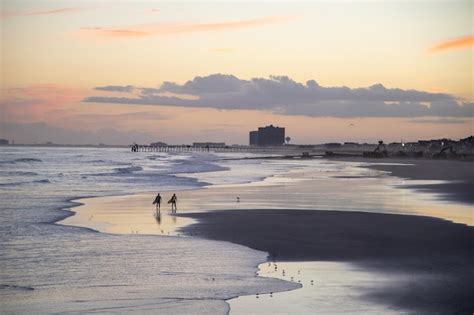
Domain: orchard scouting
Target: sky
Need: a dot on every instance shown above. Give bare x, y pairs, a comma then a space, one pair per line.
118, 72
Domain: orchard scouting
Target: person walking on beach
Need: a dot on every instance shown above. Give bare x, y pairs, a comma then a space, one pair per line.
157, 202
173, 201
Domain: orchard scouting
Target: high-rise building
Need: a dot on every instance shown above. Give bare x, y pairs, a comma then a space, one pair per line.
268, 135
253, 138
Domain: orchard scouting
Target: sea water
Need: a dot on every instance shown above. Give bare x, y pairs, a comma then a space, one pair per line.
51, 268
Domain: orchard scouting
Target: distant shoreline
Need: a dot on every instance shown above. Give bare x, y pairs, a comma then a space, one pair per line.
64, 145
295, 150
458, 176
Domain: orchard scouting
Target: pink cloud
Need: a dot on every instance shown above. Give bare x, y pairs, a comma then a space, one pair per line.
156, 29
34, 102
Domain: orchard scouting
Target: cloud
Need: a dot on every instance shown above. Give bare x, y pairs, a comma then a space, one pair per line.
96, 119
49, 95
457, 43
282, 95
448, 121
54, 11
6, 14
116, 88
36, 101
157, 29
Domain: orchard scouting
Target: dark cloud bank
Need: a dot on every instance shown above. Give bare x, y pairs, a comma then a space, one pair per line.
282, 95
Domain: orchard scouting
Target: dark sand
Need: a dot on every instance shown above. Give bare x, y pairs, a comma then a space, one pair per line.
438, 253
460, 172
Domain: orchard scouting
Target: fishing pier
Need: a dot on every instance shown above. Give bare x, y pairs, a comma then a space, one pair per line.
190, 148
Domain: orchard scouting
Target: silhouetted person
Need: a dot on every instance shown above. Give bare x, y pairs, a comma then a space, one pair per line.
157, 202
173, 201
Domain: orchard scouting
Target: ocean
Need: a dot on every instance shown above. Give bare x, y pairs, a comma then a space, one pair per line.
52, 268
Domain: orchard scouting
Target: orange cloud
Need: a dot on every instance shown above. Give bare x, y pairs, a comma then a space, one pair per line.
458, 43
176, 28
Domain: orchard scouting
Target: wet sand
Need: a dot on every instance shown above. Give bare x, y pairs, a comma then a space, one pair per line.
385, 262
326, 288
327, 186
434, 257
460, 173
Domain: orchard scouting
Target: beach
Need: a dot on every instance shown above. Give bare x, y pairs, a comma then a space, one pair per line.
457, 177
412, 250
432, 256
82, 223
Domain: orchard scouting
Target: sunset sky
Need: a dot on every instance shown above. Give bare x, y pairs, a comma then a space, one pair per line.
178, 72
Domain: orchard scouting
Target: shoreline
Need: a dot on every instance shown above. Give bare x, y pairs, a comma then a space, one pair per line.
438, 251
284, 188
132, 204
459, 175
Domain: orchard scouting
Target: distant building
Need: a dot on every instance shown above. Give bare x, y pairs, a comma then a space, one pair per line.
209, 144
268, 135
3, 142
